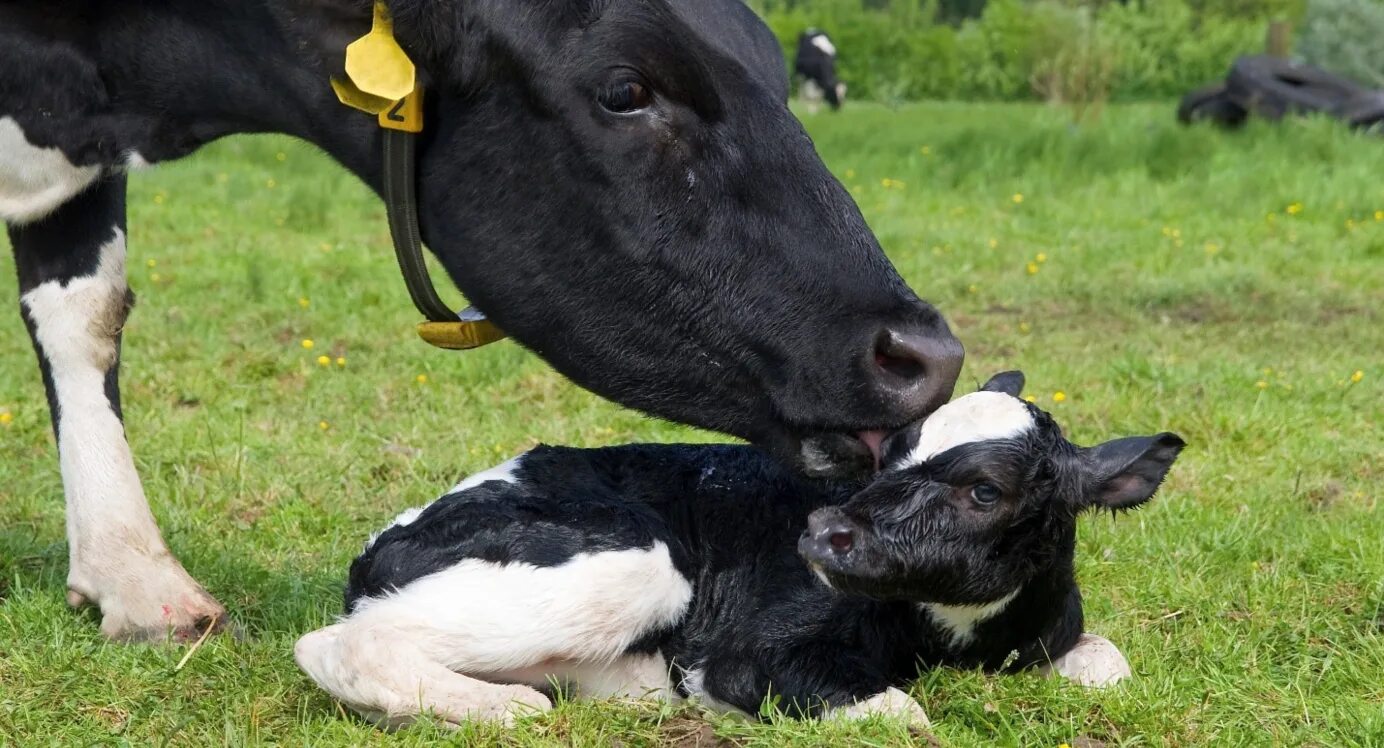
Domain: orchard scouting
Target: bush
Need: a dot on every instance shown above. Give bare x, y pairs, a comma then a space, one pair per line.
1025, 49
1344, 36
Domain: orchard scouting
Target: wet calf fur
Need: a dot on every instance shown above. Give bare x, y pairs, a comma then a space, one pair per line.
710, 571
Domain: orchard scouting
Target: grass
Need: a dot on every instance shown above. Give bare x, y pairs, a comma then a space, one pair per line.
1225, 286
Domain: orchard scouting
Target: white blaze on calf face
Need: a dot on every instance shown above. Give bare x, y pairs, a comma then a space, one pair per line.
979, 416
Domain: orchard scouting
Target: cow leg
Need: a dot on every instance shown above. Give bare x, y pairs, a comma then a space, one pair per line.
74, 299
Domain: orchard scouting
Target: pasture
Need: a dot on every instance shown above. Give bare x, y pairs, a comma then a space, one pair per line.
1229, 287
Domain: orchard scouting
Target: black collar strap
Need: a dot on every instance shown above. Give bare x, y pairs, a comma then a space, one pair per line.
380, 80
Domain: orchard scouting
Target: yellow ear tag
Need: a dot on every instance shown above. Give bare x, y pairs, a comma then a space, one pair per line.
405, 114
376, 64
459, 336
348, 94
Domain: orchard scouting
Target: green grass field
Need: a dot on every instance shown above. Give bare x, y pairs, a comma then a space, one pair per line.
1146, 277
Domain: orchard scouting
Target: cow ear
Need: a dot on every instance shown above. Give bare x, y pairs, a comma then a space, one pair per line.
1124, 473
1008, 382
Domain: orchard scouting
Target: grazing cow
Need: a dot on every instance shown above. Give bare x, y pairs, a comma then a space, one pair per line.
618, 184
815, 67
678, 570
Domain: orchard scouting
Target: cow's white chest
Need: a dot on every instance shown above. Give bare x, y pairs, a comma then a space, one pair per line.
34, 181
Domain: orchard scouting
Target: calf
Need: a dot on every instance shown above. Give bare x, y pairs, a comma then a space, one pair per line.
678, 571
815, 68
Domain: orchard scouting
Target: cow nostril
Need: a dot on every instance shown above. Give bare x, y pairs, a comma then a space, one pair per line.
841, 541
919, 368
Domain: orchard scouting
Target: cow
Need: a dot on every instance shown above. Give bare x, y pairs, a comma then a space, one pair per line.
815, 67
712, 572
618, 184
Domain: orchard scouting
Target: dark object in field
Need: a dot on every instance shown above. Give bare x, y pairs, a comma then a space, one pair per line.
814, 66
711, 571
1273, 88
1210, 103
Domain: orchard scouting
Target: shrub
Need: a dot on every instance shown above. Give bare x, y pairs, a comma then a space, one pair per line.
1343, 36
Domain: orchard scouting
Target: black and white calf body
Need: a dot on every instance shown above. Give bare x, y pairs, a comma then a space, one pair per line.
711, 572
618, 184
815, 67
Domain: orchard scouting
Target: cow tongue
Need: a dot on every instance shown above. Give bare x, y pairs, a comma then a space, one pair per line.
872, 439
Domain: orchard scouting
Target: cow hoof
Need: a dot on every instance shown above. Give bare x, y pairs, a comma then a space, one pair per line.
152, 601
1094, 662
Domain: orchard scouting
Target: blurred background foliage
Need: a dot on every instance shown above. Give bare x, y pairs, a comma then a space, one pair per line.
1082, 52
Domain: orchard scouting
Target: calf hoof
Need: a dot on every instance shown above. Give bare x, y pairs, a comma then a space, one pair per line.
891, 703
1094, 662
153, 603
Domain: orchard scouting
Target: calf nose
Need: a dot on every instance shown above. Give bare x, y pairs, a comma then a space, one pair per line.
915, 369
827, 536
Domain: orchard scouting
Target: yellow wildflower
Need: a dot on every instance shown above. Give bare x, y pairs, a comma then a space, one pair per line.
1261, 384
151, 263
281, 156
1293, 209
326, 246
1357, 376
270, 184
422, 378
994, 242
323, 425
1059, 396
6, 418
1024, 327
155, 277
307, 344
1030, 398
926, 150
1042, 257
1212, 248
973, 288
324, 360
1032, 268
850, 174
159, 198
1379, 215
303, 302
341, 361
1017, 198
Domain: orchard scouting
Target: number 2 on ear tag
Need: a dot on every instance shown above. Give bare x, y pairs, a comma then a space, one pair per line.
405, 114
376, 64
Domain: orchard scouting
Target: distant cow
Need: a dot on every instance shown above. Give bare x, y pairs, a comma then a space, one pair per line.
711, 572
815, 68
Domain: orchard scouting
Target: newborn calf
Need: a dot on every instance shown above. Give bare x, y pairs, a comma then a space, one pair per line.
713, 572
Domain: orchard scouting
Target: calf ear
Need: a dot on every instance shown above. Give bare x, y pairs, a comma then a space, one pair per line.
1008, 382
1125, 473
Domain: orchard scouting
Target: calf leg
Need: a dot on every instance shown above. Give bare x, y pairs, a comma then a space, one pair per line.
75, 299
446, 642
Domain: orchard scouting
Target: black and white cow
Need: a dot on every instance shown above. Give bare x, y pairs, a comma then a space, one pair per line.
712, 572
618, 184
815, 67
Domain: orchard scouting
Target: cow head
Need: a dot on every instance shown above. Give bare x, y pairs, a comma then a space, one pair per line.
620, 186
976, 501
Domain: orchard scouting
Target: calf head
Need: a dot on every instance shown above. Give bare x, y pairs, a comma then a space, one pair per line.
620, 186
977, 500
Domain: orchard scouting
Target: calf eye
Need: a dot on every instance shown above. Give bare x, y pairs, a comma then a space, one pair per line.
626, 97
985, 493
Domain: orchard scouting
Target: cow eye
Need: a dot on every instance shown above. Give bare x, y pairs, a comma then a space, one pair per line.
985, 493
625, 97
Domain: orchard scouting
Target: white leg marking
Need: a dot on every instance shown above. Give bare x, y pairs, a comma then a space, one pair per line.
961, 620
117, 558
499, 622
383, 674
891, 703
34, 181
976, 417
1094, 662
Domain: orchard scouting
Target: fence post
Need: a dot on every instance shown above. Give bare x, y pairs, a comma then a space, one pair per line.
1279, 40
